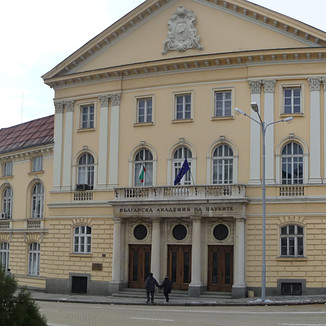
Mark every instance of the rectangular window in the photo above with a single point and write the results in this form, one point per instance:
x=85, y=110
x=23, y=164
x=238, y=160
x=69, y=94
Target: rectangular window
x=144, y=110
x=183, y=107
x=223, y=101
x=37, y=163
x=292, y=100
x=87, y=116
x=7, y=169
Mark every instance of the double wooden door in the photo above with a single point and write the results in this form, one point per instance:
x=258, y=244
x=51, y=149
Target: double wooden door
x=220, y=268
x=179, y=266
x=139, y=265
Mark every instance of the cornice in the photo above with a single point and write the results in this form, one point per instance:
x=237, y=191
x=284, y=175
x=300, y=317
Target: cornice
x=190, y=64
x=246, y=10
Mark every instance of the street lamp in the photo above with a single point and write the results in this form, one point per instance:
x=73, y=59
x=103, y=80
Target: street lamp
x=263, y=126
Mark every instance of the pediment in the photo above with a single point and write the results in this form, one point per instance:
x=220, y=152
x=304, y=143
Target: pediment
x=224, y=28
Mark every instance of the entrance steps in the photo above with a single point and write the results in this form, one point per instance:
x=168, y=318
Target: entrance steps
x=175, y=294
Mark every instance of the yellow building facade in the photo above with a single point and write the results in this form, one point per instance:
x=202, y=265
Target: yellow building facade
x=155, y=94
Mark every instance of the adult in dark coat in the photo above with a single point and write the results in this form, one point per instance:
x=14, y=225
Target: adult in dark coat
x=166, y=286
x=150, y=284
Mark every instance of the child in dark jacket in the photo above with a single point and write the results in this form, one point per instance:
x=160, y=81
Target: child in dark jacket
x=166, y=286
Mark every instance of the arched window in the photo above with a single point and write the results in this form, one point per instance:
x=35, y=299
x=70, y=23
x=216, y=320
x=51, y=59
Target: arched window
x=7, y=202
x=86, y=171
x=292, y=164
x=37, y=200
x=83, y=239
x=34, y=259
x=292, y=240
x=143, y=169
x=4, y=255
x=222, y=165
x=179, y=157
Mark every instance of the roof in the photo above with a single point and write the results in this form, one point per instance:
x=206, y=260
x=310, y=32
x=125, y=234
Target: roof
x=29, y=134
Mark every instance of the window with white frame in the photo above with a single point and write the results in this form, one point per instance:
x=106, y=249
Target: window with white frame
x=87, y=116
x=37, y=200
x=144, y=110
x=179, y=157
x=222, y=165
x=182, y=106
x=292, y=164
x=292, y=241
x=143, y=169
x=34, y=259
x=4, y=255
x=7, y=202
x=83, y=239
x=223, y=102
x=86, y=171
x=7, y=169
x=292, y=100
x=37, y=163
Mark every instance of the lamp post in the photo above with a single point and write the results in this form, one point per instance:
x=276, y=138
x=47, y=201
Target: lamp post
x=263, y=126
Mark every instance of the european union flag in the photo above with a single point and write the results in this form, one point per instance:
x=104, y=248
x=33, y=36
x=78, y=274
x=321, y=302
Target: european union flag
x=184, y=169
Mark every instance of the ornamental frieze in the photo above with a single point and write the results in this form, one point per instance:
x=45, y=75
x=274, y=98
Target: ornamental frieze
x=182, y=34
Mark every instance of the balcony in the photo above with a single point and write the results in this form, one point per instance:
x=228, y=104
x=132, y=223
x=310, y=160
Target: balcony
x=222, y=192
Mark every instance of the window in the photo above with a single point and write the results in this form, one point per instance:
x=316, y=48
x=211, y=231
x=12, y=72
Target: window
x=292, y=164
x=144, y=110
x=222, y=165
x=179, y=157
x=37, y=163
x=7, y=169
x=7, y=202
x=292, y=100
x=143, y=168
x=83, y=239
x=37, y=201
x=86, y=170
x=292, y=241
x=4, y=255
x=183, y=107
x=87, y=116
x=34, y=259
x=223, y=102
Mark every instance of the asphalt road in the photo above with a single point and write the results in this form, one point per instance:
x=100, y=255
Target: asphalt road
x=75, y=314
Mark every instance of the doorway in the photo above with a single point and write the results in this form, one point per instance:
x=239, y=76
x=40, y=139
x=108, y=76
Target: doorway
x=220, y=268
x=139, y=265
x=179, y=266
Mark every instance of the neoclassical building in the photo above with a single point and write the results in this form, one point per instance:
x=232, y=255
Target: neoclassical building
x=153, y=94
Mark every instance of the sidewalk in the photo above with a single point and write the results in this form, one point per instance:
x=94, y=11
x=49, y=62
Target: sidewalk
x=187, y=301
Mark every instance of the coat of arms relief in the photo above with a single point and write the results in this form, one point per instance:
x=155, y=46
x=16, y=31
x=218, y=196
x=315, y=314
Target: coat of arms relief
x=182, y=34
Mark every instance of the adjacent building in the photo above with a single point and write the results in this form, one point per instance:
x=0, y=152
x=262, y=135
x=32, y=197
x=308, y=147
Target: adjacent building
x=94, y=203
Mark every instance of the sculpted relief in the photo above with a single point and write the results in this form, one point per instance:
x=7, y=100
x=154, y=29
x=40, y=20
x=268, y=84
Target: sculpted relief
x=182, y=34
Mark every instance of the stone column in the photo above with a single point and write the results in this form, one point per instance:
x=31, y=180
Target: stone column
x=239, y=283
x=58, y=143
x=314, y=173
x=156, y=249
x=255, y=135
x=195, y=287
x=103, y=142
x=324, y=82
x=115, y=284
x=114, y=140
x=67, y=151
x=269, y=90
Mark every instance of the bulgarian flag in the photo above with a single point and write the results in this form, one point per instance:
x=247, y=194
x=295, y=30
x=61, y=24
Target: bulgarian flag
x=142, y=173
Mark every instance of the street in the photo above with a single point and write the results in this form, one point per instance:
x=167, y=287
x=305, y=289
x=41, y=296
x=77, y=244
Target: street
x=74, y=314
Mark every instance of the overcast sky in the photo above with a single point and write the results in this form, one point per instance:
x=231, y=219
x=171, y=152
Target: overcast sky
x=36, y=35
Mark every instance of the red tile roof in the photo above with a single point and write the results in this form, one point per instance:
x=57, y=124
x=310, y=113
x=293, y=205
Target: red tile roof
x=29, y=134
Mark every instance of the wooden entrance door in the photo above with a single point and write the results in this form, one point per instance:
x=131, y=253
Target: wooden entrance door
x=179, y=266
x=220, y=268
x=139, y=265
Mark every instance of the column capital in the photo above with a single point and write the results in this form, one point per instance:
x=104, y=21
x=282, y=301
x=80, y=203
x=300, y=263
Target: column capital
x=115, y=98
x=314, y=83
x=58, y=107
x=69, y=106
x=269, y=86
x=255, y=86
x=196, y=218
x=104, y=100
